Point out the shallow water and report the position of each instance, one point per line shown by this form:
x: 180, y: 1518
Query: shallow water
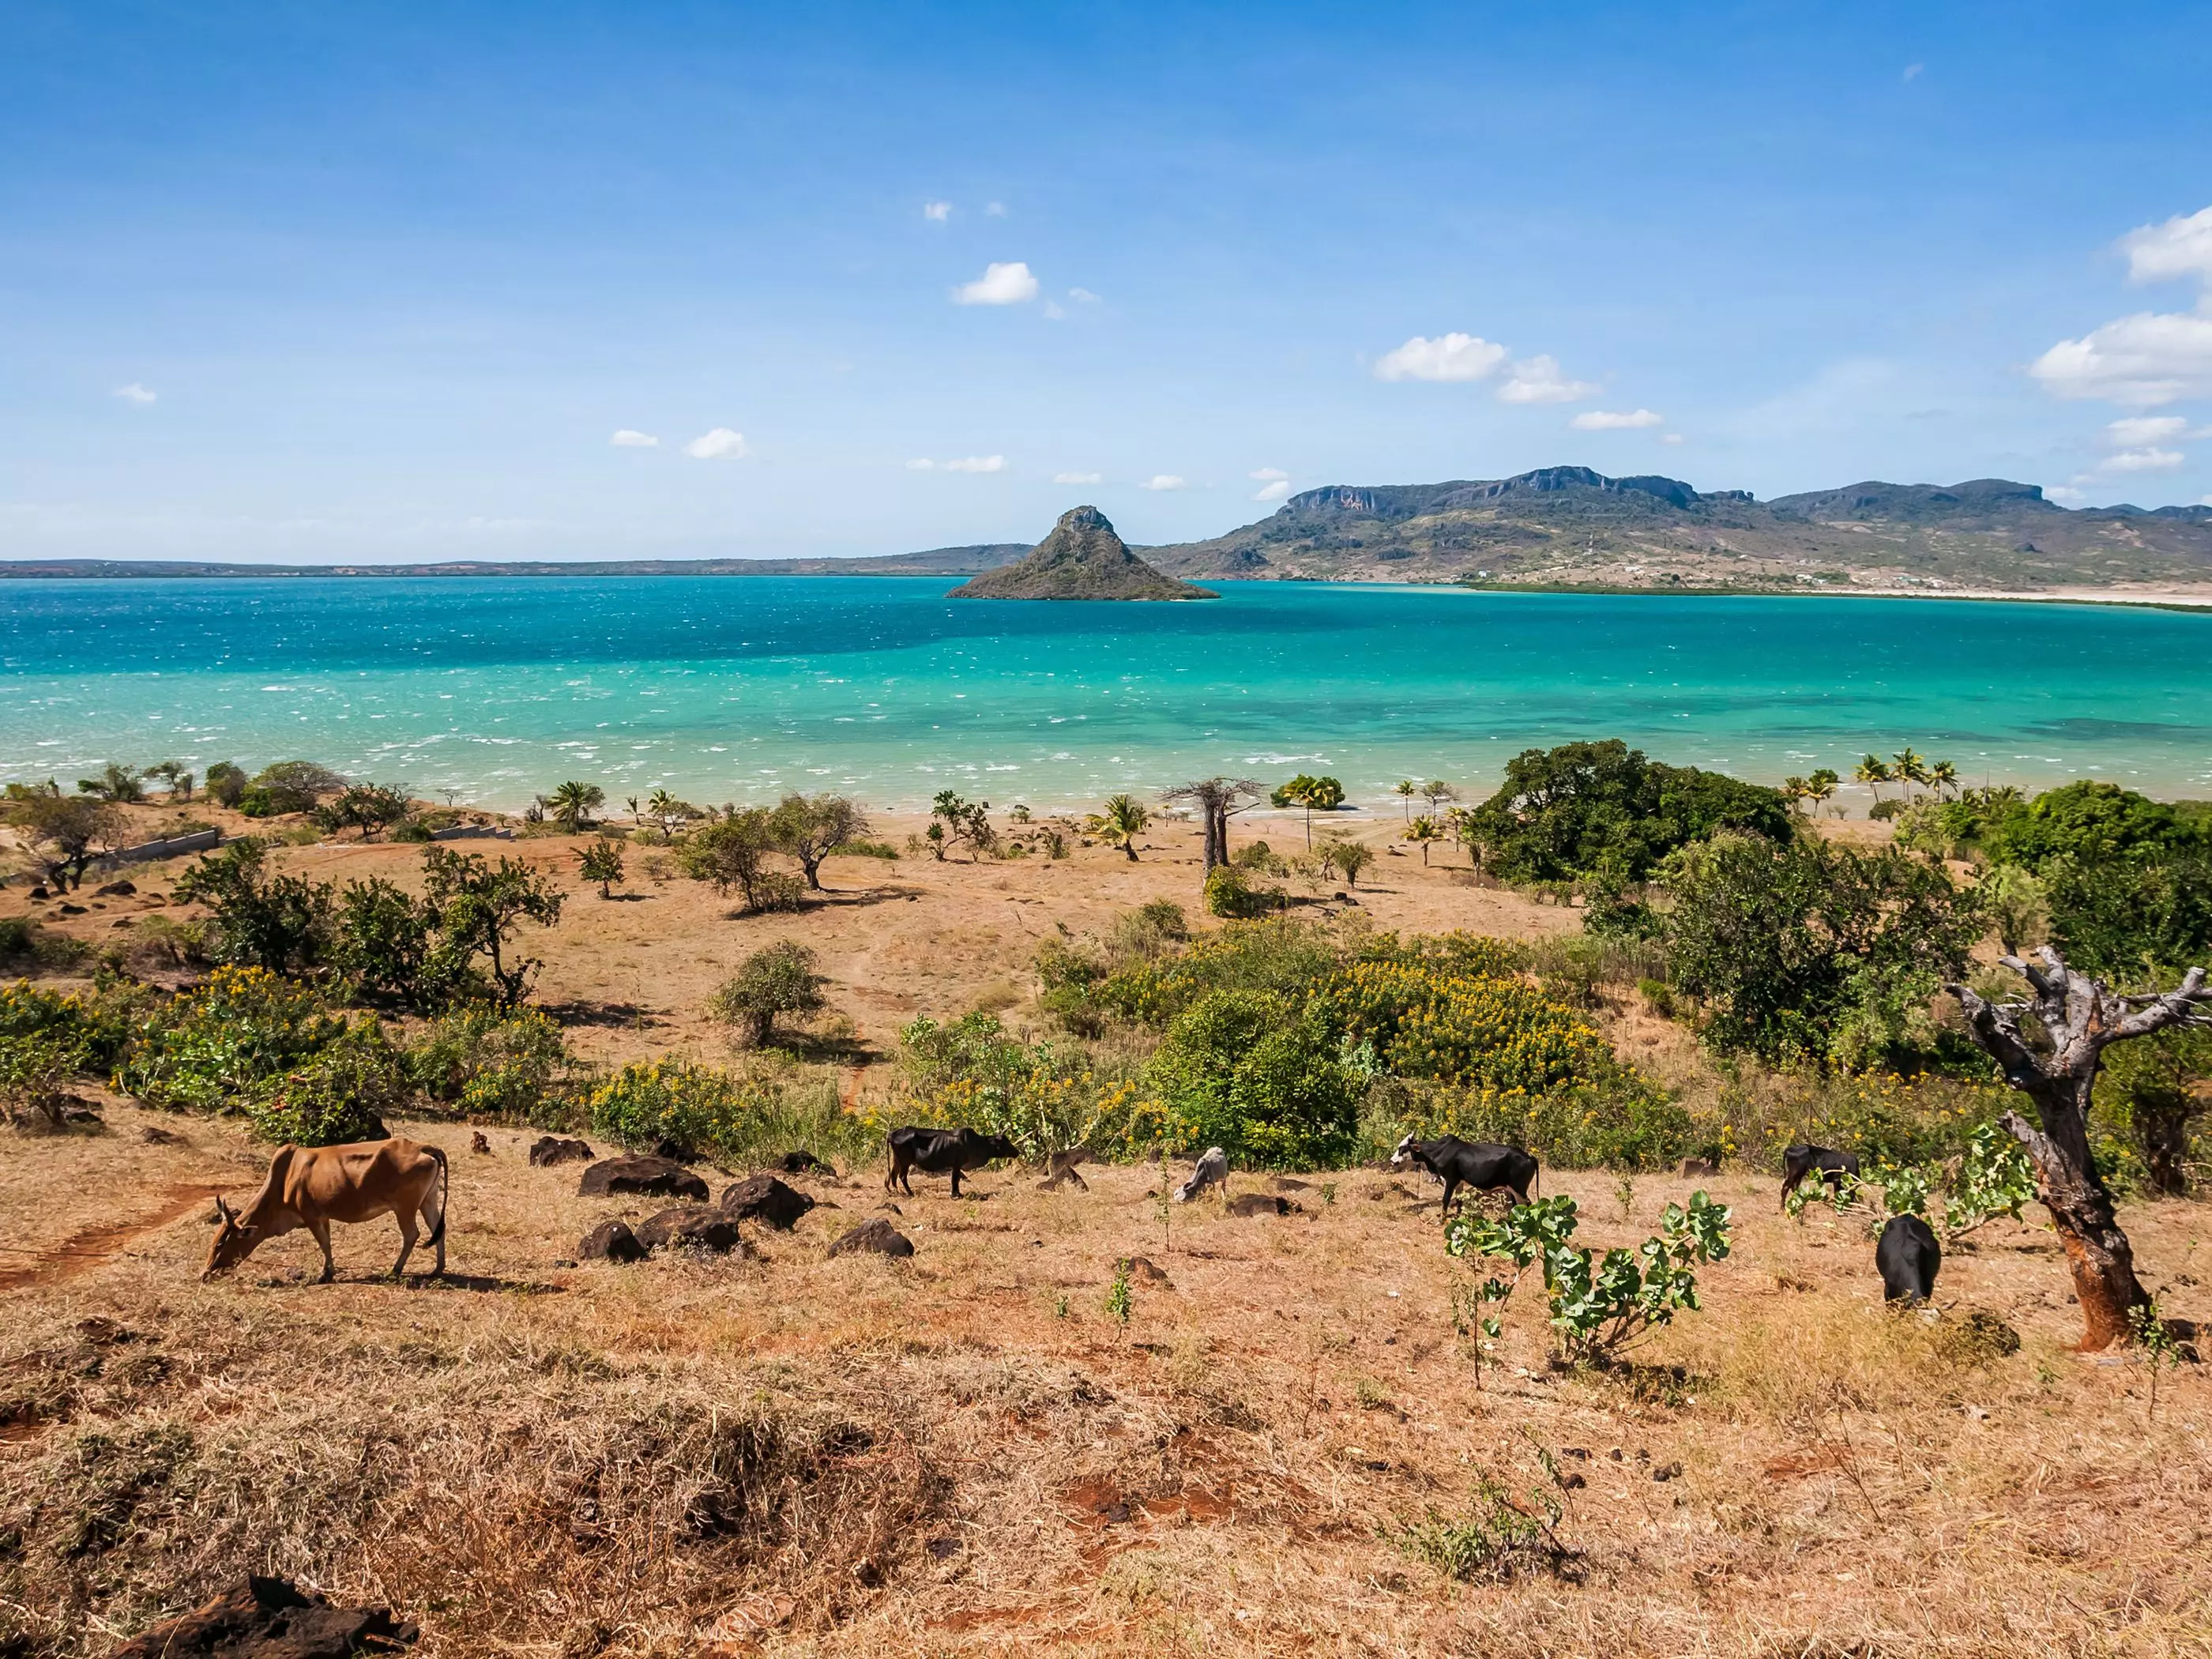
x: 738, y: 688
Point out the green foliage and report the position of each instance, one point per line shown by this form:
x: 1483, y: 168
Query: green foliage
x: 515, y: 1067
x: 811, y: 827
x: 956, y: 823
x: 1240, y: 1070
x: 1584, y: 810
x: 973, y: 1072
x: 213, y: 1048
x: 1599, y: 1306
x: 339, y: 1095
x: 226, y: 782
x: 777, y: 979
x: 734, y: 852
x: 1618, y: 1120
x: 368, y: 807
x: 1808, y: 950
x: 385, y: 941
x: 1118, y: 1302
x: 63, y: 834
x: 1120, y: 821
x: 123, y: 785
x: 37, y: 1065
x: 282, y: 923
x: 2091, y: 822
x: 2017, y: 904
x: 479, y: 907
x: 1230, y: 895
x: 601, y: 863
x: 2132, y: 917
x: 286, y: 786
x: 2149, y: 1091
x: 1347, y: 857
x: 731, y: 1116
x: 572, y: 804
x: 1432, y: 1023
x: 1315, y: 795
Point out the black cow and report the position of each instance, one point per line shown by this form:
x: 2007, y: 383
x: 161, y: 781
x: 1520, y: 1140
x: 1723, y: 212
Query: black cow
x: 1907, y: 1258
x: 942, y: 1151
x: 1801, y: 1160
x: 1481, y: 1164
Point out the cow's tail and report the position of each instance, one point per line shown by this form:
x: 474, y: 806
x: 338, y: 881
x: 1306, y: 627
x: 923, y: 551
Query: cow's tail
x: 445, y: 1194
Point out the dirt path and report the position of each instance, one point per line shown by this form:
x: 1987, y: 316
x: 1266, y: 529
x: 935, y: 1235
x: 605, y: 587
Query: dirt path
x: 87, y: 1247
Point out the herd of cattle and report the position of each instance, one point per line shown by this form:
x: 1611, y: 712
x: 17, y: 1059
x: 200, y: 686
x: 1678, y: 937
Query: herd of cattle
x: 311, y: 1187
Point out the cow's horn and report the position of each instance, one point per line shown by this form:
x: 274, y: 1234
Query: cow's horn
x: 223, y: 1210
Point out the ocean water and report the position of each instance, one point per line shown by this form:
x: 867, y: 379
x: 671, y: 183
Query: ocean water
x: 738, y: 689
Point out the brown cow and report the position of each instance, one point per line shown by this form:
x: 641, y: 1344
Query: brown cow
x: 311, y: 1187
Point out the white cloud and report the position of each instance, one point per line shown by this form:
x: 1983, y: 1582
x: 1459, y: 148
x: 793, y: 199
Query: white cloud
x: 627, y: 439
x: 977, y: 463
x: 135, y: 393
x: 720, y: 444
x: 1447, y: 357
x: 2063, y: 493
x: 1083, y: 295
x: 996, y: 210
x: 2131, y: 430
x: 1670, y: 437
x: 1537, y: 380
x: 936, y: 212
x: 1272, y: 492
x: 2148, y: 359
x: 1913, y: 71
x: 1606, y: 420
x: 922, y: 466
x: 1162, y: 481
x: 2182, y: 246
x: 1008, y: 284
x: 1075, y: 478
x: 1053, y: 314
x: 2143, y: 460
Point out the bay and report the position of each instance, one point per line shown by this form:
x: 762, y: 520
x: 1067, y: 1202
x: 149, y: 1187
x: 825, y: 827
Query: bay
x: 735, y: 689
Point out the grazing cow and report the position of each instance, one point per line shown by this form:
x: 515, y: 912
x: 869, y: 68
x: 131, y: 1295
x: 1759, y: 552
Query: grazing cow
x: 1907, y: 1258
x: 1211, y: 1170
x: 311, y: 1187
x: 1832, y: 1166
x: 942, y: 1151
x: 1482, y: 1164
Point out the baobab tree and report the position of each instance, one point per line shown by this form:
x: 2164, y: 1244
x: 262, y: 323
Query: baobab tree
x: 1219, y: 798
x: 2054, y: 1064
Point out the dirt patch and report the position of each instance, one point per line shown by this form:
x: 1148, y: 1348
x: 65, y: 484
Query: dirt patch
x: 90, y: 1246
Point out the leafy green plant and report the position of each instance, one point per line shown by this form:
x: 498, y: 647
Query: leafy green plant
x: 601, y: 864
x: 1242, y: 1071
x: 282, y: 923
x: 213, y: 1048
x: 776, y: 980
x: 1119, y: 1301
x: 368, y: 807
x: 733, y: 852
x: 572, y: 804
x: 1601, y: 1305
x: 1501, y: 1536
x: 37, y: 1067
x: 2160, y: 1349
x: 339, y: 1095
x: 486, y: 1064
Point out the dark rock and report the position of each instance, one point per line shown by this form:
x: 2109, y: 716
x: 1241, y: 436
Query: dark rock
x: 270, y: 1620
x: 125, y: 889
x: 763, y: 1198
x: 1144, y: 1270
x: 479, y: 1142
x: 72, y: 910
x: 675, y: 1152
x: 1290, y: 1184
x: 155, y: 1137
x: 654, y: 1177
x: 1251, y: 1204
x: 689, y: 1229
x: 611, y: 1241
x: 801, y: 1163
x: 84, y: 1116
x: 1081, y: 559
x: 877, y: 1236
x: 551, y: 1149
x: 40, y: 893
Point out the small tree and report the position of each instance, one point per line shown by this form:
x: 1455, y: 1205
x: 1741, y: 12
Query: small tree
x: 2055, y: 1062
x: 66, y: 833
x: 779, y: 979
x: 733, y: 852
x: 1436, y: 792
x: 1218, y: 800
x: 1346, y: 857
x: 287, y: 787
x: 226, y: 782
x: 282, y: 923
x: 479, y: 907
x: 120, y: 784
x: 602, y: 862
x: 368, y: 807
x: 37, y: 1067
x: 572, y: 804
x: 174, y: 774
x: 1325, y: 794
x: 811, y: 828
x: 1406, y: 789
x: 1120, y: 821
x: 667, y: 814
x: 1426, y: 831
x: 962, y: 823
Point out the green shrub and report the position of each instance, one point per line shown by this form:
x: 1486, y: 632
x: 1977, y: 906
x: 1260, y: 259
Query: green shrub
x: 1239, y: 1070
x: 211, y: 1049
x: 341, y: 1094
x: 734, y: 1117
x: 1279, y: 954
x: 1619, y: 1121
x: 776, y: 979
x: 512, y: 1067
x: 973, y: 1072
x: 1229, y: 896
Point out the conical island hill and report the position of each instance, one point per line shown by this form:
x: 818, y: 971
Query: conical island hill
x: 1082, y: 559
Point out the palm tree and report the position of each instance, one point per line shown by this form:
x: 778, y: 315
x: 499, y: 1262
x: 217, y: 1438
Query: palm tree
x: 1945, y: 776
x: 1794, y: 790
x: 1436, y: 792
x: 1427, y: 831
x: 1820, y: 786
x: 571, y: 805
x: 1873, y: 771
x: 1120, y: 821
x: 1911, y: 769
x: 1407, y: 790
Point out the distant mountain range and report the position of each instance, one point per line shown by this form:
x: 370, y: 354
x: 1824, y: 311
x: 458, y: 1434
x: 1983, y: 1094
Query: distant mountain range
x: 1559, y: 526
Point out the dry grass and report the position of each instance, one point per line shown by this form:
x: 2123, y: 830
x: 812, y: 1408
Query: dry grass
x: 965, y: 1453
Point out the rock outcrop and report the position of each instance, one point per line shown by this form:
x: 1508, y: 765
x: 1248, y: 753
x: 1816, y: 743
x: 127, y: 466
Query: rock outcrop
x: 650, y: 1177
x: 1082, y: 559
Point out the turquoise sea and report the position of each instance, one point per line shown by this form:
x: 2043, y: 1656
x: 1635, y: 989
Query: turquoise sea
x: 738, y: 688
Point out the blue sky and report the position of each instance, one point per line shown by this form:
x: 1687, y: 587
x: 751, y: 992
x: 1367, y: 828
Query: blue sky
x: 312, y: 282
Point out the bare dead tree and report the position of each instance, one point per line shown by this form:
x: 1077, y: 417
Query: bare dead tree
x: 2054, y: 1062
x: 1220, y: 800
